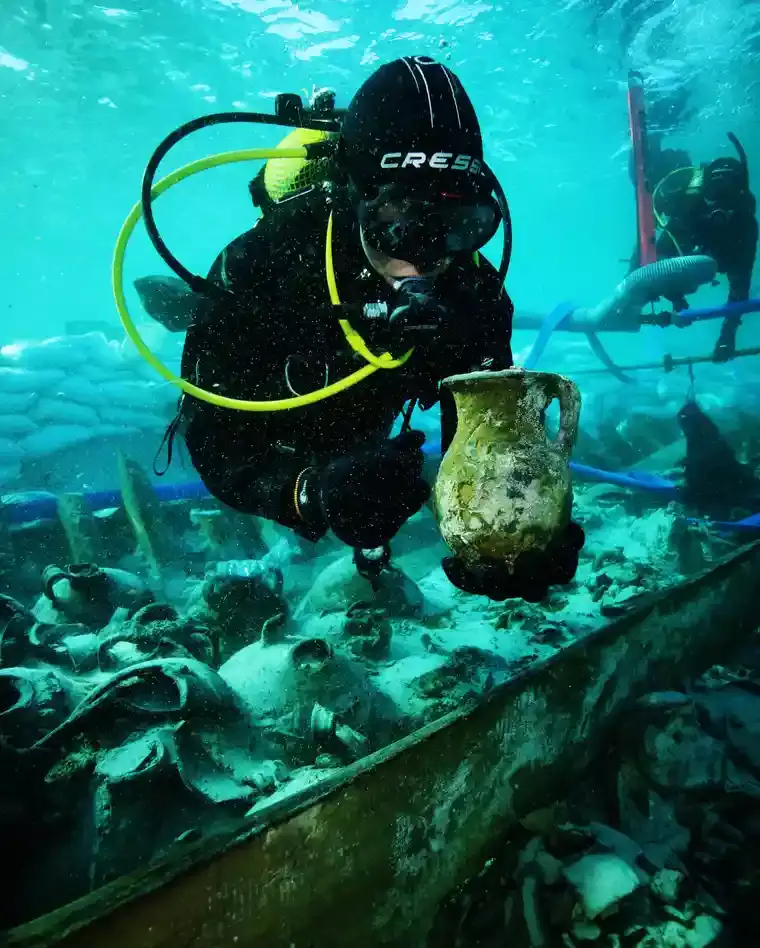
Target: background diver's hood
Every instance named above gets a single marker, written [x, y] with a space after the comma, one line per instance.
[724, 181]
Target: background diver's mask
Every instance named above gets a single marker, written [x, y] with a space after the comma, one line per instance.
[425, 228]
[724, 183]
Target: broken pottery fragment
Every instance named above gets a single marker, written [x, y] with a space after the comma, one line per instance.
[602, 880]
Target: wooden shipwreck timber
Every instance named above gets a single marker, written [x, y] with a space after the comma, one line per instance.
[367, 857]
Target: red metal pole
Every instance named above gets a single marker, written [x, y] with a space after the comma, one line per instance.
[645, 225]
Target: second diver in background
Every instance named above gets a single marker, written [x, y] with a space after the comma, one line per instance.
[707, 209]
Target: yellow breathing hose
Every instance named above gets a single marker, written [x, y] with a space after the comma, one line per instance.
[384, 361]
[657, 216]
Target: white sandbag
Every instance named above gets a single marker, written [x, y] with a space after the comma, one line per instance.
[59, 352]
[61, 411]
[159, 397]
[126, 417]
[96, 346]
[10, 451]
[16, 381]
[54, 438]
[16, 404]
[111, 356]
[153, 334]
[128, 393]
[15, 426]
[98, 373]
[116, 431]
[78, 388]
[170, 355]
[159, 391]
[9, 473]
[145, 372]
[101, 353]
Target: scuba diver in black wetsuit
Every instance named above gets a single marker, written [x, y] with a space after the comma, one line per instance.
[392, 232]
[708, 209]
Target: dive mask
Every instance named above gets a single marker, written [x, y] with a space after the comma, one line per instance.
[428, 226]
[724, 182]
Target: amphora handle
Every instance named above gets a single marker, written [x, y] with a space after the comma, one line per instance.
[569, 397]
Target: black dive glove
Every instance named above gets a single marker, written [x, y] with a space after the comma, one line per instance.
[366, 498]
[725, 348]
[534, 571]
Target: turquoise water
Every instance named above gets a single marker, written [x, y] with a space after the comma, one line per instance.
[87, 90]
[86, 93]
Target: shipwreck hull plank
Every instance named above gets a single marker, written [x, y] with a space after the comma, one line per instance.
[367, 860]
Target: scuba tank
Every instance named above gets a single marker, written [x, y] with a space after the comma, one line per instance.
[278, 180]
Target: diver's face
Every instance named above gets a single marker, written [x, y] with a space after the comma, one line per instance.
[393, 269]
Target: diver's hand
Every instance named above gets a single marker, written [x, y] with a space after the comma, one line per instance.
[534, 571]
[366, 498]
[725, 348]
[679, 303]
[724, 351]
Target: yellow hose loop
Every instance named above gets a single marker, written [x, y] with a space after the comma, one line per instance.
[384, 361]
[657, 215]
[117, 280]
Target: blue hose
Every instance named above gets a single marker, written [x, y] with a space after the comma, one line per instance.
[39, 506]
[551, 322]
[718, 312]
[637, 479]
[26, 508]
[747, 525]
[22, 508]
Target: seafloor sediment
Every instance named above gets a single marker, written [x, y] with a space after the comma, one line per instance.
[658, 848]
[132, 722]
[165, 692]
